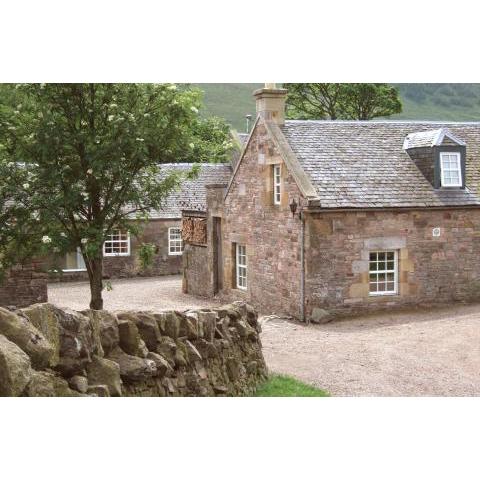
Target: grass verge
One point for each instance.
(284, 386)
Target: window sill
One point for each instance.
(116, 254)
(175, 254)
(71, 270)
(383, 294)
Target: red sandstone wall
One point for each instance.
(271, 234)
(431, 269)
(156, 232)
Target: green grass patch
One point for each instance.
(284, 386)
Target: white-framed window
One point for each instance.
(450, 166)
(383, 273)
(74, 262)
(241, 266)
(117, 244)
(277, 184)
(175, 243)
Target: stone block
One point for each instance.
(102, 371)
(359, 290)
(21, 332)
(15, 369)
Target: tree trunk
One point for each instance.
(95, 274)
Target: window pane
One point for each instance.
(382, 267)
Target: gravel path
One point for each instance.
(158, 293)
(405, 354)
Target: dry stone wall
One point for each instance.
(46, 351)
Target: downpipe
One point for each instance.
(302, 268)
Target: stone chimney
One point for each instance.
(271, 103)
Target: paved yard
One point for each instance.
(421, 353)
(158, 293)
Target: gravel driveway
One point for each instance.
(403, 354)
(157, 293)
(408, 354)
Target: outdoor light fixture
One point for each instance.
(293, 206)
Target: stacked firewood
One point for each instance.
(194, 230)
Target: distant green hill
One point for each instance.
(421, 101)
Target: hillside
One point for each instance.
(421, 101)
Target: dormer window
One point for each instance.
(451, 169)
(439, 155)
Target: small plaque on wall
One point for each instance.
(436, 232)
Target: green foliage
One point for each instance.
(213, 141)
(78, 160)
(284, 386)
(146, 254)
(440, 101)
(350, 101)
(420, 101)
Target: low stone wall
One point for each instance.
(22, 286)
(46, 351)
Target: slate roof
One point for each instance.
(192, 195)
(355, 164)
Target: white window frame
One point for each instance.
(459, 168)
(173, 243)
(241, 269)
(384, 272)
(277, 184)
(79, 256)
(115, 254)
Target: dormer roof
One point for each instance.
(430, 138)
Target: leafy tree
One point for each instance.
(348, 101)
(79, 160)
(213, 141)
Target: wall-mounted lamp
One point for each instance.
(293, 206)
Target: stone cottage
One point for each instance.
(27, 283)
(163, 229)
(326, 218)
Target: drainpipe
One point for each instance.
(302, 268)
